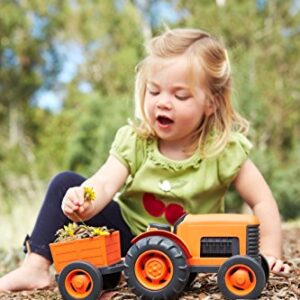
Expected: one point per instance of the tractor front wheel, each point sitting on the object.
(241, 277)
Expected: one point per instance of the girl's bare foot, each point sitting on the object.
(33, 274)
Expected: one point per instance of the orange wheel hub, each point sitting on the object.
(154, 269)
(79, 284)
(240, 280)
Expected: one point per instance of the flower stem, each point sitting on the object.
(77, 216)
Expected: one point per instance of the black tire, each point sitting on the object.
(265, 266)
(155, 268)
(91, 288)
(110, 281)
(246, 265)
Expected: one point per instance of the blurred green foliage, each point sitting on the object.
(263, 42)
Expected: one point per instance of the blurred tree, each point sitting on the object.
(97, 121)
(33, 37)
(110, 38)
(111, 43)
(28, 57)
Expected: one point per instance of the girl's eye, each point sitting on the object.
(182, 97)
(153, 93)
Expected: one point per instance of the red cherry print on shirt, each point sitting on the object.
(173, 212)
(153, 206)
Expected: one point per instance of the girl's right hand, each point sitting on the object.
(276, 265)
(73, 202)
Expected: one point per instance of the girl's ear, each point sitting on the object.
(211, 105)
(209, 110)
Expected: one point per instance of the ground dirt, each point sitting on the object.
(204, 287)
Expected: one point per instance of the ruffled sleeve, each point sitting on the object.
(127, 148)
(233, 157)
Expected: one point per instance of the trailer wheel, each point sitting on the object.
(80, 280)
(155, 268)
(241, 277)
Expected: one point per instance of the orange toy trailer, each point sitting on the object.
(85, 266)
(161, 262)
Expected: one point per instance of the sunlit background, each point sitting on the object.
(66, 85)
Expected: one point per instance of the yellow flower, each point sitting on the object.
(69, 230)
(99, 231)
(89, 194)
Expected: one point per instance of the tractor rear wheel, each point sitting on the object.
(155, 268)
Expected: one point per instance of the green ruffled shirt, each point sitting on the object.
(160, 190)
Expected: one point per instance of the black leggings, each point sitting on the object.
(51, 217)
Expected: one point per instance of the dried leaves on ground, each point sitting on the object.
(204, 287)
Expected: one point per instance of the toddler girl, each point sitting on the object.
(182, 154)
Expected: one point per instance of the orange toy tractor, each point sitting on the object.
(162, 262)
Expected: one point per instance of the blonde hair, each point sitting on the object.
(208, 56)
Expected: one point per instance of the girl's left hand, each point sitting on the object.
(277, 265)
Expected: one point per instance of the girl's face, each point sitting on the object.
(173, 109)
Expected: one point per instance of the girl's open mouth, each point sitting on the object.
(163, 120)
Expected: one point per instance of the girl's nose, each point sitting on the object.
(164, 103)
